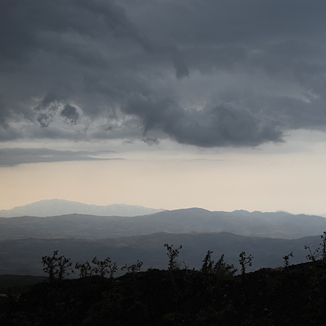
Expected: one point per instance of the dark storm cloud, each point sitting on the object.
(206, 73)
(70, 113)
(219, 126)
(16, 156)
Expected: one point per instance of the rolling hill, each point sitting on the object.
(267, 236)
(272, 225)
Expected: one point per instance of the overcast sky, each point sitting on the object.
(219, 104)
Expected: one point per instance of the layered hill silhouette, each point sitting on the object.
(267, 236)
(272, 225)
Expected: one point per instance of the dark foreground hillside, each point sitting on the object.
(295, 295)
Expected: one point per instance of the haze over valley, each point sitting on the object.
(267, 236)
(76, 225)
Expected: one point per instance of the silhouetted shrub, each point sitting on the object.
(286, 259)
(172, 254)
(103, 267)
(85, 270)
(244, 260)
(220, 268)
(134, 268)
(56, 266)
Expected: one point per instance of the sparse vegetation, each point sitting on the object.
(286, 259)
(220, 268)
(318, 253)
(208, 263)
(313, 256)
(85, 269)
(224, 269)
(134, 268)
(100, 267)
(57, 267)
(244, 260)
(190, 297)
(172, 254)
(103, 267)
(209, 296)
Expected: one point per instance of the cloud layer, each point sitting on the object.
(16, 156)
(204, 73)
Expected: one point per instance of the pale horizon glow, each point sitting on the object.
(218, 180)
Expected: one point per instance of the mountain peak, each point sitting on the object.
(53, 207)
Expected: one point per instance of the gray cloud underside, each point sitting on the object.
(205, 73)
(16, 156)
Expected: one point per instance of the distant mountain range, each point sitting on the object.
(54, 207)
(271, 225)
(267, 236)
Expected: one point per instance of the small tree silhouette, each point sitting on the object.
(85, 269)
(134, 268)
(244, 260)
(220, 268)
(319, 253)
(104, 267)
(56, 266)
(286, 259)
(172, 254)
(208, 263)
(313, 256)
